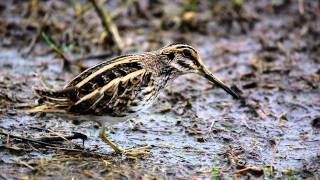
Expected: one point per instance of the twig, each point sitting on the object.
(58, 138)
(231, 156)
(32, 147)
(249, 168)
(85, 152)
(26, 165)
(56, 49)
(12, 148)
(43, 82)
(109, 27)
(38, 34)
(55, 147)
(64, 138)
(273, 155)
(28, 140)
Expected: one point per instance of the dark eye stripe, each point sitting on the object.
(171, 56)
(195, 61)
(191, 49)
(191, 57)
(184, 64)
(185, 47)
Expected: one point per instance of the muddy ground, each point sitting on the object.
(269, 50)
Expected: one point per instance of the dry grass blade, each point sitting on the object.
(38, 34)
(253, 169)
(110, 28)
(28, 140)
(26, 165)
(59, 51)
(64, 138)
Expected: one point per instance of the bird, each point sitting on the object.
(120, 88)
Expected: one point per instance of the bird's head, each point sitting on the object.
(185, 59)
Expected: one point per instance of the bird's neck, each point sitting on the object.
(162, 72)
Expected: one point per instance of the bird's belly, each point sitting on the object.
(143, 100)
(104, 119)
(130, 102)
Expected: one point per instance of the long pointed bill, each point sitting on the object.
(208, 75)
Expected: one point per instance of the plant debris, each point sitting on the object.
(267, 50)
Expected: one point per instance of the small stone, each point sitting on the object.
(316, 122)
(200, 139)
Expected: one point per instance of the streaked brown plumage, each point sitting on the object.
(123, 86)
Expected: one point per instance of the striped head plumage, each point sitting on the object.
(185, 59)
(126, 84)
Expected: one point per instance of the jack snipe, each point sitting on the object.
(122, 86)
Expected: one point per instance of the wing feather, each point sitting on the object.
(99, 69)
(102, 98)
(98, 89)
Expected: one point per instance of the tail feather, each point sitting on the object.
(54, 101)
(70, 93)
(46, 108)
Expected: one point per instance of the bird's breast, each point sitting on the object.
(141, 96)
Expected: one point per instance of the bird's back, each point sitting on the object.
(117, 87)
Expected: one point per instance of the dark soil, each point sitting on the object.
(269, 50)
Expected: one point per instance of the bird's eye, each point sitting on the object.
(186, 53)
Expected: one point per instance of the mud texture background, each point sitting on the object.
(268, 49)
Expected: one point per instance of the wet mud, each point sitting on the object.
(268, 50)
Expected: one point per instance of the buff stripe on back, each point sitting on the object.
(104, 68)
(98, 94)
(88, 72)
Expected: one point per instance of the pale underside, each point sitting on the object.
(105, 120)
